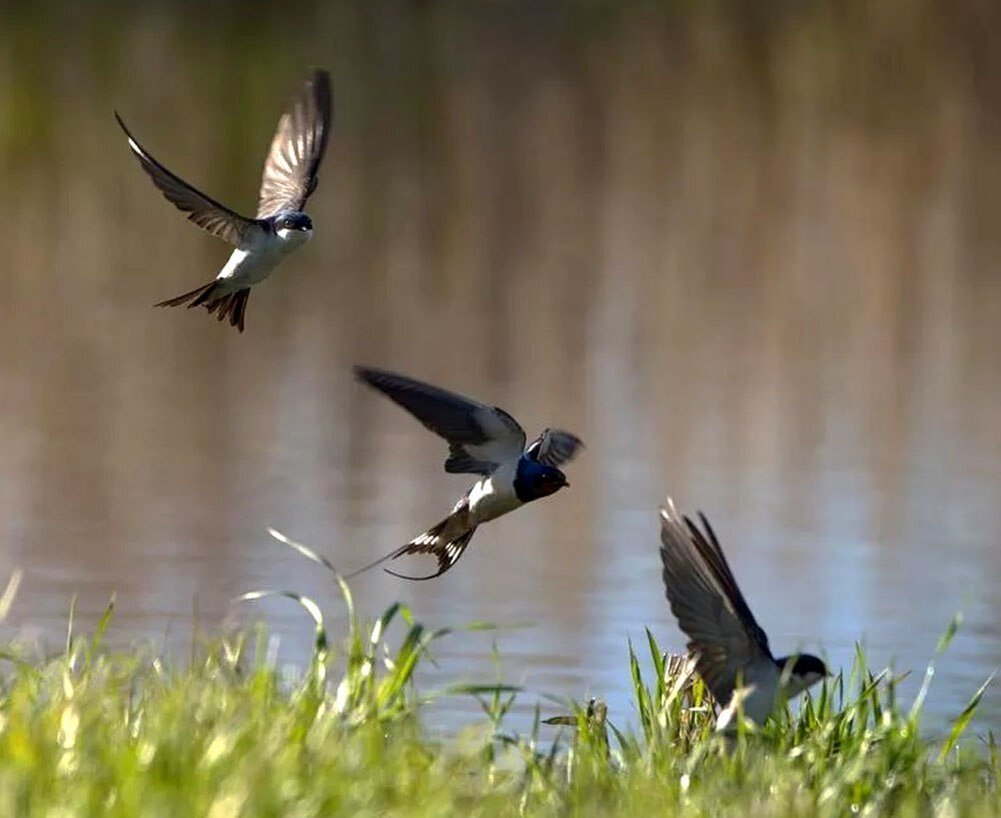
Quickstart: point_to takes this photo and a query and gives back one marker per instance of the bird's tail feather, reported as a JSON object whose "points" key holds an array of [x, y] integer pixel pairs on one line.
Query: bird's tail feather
{"points": [[229, 305], [447, 551]]}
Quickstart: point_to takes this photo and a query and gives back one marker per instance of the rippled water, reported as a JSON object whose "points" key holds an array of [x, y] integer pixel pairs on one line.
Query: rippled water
{"points": [[753, 260]]}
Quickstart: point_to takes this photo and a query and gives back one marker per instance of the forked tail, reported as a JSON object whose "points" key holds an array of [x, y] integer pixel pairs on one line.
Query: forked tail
{"points": [[232, 305], [447, 551]]}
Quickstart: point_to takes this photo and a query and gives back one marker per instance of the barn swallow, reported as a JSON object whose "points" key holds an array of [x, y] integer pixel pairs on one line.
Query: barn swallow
{"points": [[483, 440]]}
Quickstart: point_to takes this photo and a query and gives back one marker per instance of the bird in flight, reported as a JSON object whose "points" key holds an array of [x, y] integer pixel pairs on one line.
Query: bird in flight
{"points": [[730, 648], [280, 226], [483, 440]]}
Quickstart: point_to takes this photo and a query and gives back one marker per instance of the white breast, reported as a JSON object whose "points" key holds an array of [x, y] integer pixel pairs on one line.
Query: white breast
{"points": [[259, 255], [493, 496]]}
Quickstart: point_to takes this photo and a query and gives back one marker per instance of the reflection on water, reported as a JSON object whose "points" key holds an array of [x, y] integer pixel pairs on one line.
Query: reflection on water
{"points": [[751, 259]]}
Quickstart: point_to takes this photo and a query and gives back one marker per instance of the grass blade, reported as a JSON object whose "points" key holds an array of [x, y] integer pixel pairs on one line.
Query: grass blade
{"points": [[307, 604], [306, 551], [10, 593], [963, 719]]}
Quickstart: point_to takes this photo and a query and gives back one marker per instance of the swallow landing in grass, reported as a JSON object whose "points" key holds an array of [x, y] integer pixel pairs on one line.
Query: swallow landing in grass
{"points": [[482, 440], [280, 225], [730, 648]]}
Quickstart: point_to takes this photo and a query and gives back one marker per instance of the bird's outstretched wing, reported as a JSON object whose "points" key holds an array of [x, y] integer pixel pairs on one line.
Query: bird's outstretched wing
{"points": [[202, 210], [297, 148], [709, 606], [480, 437], [554, 447]]}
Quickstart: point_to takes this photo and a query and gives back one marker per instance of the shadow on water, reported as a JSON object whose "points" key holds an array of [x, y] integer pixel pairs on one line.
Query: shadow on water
{"points": [[751, 256]]}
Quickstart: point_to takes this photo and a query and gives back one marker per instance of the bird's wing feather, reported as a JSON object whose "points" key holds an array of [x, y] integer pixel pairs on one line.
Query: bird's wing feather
{"points": [[297, 148], [711, 551], [480, 437], [202, 210], [554, 447], [708, 604]]}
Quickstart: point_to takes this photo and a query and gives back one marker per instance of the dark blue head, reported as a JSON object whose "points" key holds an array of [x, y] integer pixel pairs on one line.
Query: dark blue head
{"points": [[534, 480], [294, 221], [802, 671]]}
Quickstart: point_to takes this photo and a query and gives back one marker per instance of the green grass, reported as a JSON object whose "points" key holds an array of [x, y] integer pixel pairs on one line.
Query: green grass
{"points": [[99, 732]]}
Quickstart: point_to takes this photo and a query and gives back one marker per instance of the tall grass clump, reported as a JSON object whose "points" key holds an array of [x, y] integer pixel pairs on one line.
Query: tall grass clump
{"points": [[96, 731]]}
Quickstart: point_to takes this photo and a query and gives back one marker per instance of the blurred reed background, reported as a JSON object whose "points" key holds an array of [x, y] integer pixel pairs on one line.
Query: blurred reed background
{"points": [[749, 251]]}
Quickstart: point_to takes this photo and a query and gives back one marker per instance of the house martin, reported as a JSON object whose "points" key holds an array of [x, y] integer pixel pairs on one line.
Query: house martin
{"points": [[483, 440], [730, 648], [280, 226]]}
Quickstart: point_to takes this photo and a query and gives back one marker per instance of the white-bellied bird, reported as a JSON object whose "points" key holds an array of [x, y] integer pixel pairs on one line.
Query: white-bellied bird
{"points": [[280, 226], [483, 440], [730, 648]]}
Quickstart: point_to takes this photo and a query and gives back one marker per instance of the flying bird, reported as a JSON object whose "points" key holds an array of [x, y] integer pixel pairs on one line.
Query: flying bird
{"points": [[730, 648], [280, 226], [483, 440]]}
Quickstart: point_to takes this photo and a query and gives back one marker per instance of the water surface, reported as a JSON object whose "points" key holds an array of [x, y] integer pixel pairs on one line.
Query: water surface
{"points": [[751, 258]]}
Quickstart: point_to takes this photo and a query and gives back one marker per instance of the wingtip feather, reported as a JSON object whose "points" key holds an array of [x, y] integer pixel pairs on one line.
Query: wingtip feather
{"points": [[134, 146], [668, 511], [373, 376], [366, 374], [321, 79]]}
